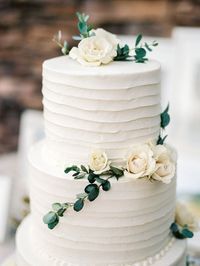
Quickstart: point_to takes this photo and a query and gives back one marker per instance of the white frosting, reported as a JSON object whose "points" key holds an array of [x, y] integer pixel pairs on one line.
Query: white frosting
{"points": [[111, 107], [173, 254], [126, 225]]}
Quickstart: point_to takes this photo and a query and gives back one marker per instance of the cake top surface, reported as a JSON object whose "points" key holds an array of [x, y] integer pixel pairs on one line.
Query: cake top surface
{"points": [[68, 66]]}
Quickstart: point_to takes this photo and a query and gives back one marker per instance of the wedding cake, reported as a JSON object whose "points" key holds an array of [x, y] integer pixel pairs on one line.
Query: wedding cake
{"points": [[104, 164]]}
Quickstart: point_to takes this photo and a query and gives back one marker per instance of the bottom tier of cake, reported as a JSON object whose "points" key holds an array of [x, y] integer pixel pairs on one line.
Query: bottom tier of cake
{"points": [[173, 255]]}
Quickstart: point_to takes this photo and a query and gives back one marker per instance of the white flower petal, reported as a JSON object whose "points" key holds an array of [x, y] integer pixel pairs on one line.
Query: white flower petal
{"points": [[74, 53]]}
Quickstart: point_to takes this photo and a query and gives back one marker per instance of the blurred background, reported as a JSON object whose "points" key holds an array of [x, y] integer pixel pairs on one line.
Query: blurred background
{"points": [[26, 31]]}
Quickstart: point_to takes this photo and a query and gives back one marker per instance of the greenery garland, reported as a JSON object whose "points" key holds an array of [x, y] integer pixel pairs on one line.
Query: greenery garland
{"points": [[91, 191]]}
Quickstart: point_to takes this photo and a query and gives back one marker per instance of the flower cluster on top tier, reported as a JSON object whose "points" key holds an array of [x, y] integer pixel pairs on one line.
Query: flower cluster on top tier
{"points": [[98, 46]]}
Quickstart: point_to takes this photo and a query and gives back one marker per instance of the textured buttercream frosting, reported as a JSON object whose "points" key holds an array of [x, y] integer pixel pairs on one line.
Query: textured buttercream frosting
{"points": [[125, 225], [111, 107], [174, 253]]}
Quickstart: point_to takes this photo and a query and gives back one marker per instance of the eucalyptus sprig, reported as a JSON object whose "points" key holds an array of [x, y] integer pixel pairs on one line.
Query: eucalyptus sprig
{"points": [[83, 27], [91, 191], [181, 232], [164, 122], [62, 44], [140, 51]]}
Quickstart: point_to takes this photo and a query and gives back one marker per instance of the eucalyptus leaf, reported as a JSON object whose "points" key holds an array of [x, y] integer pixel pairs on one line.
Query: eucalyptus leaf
{"points": [[61, 212], [92, 177], [106, 185], [78, 205], [116, 171], [50, 217], [161, 140], [140, 52], [77, 38], [148, 47], [80, 176], [52, 225], [72, 168], [56, 206], [93, 194], [138, 39], [84, 169], [65, 49], [155, 43], [122, 53], [174, 227], [82, 26], [187, 233], [165, 118], [76, 173], [90, 187]]}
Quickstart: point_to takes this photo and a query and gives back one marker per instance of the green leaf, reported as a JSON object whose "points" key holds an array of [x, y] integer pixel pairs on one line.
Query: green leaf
{"points": [[125, 49], [78, 205], [116, 171], [184, 233], [165, 118], [119, 50], [148, 47], [187, 233], [106, 186], [61, 212], [174, 227], [76, 173], [56, 206], [77, 38], [93, 191], [161, 140], [138, 39], [52, 225], [122, 53], [82, 17], [108, 172], [65, 49], [92, 177], [80, 176], [90, 187], [72, 168], [155, 43], [50, 217], [84, 169], [140, 52], [89, 28], [82, 26]]}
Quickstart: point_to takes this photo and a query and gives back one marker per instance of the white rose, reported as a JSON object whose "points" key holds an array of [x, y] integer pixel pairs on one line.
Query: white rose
{"points": [[185, 217], [95, 50], [110, 37], [140, 162], [165, 164], [98, 162]]}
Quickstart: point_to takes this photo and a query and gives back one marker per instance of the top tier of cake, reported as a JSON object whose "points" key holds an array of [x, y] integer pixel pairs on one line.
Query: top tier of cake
{"points": [[111, 107]]}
